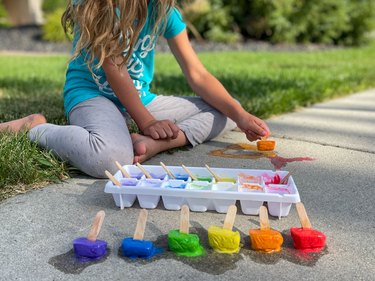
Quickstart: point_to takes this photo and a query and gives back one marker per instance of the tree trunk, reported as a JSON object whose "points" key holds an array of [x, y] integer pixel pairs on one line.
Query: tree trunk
{"points": [[24, 12]]}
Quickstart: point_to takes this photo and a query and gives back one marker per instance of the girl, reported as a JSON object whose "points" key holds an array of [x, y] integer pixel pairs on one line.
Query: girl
{"points": [[108, 83]]}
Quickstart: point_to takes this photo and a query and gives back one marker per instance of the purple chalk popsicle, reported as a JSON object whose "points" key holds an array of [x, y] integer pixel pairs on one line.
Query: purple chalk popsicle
{"points": [[91, 249]]}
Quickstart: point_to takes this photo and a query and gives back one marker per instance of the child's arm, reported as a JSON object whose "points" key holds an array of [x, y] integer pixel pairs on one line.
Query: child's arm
{"points": [[123, 86], [212, 91]]}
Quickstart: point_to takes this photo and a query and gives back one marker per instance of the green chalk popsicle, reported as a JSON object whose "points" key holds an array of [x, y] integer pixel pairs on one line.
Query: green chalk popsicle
{"points": [[183, 243]]}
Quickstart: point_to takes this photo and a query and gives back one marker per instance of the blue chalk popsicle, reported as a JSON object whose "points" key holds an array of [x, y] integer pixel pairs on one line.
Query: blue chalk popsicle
{"points": [[136, 247], [91, 249]]}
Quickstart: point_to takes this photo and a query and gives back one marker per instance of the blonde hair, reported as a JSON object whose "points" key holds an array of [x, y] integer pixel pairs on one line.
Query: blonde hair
{"points": [[108, 28]]}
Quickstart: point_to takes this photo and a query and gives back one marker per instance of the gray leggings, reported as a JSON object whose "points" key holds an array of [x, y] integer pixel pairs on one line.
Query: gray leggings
{"points": [[98, 133]]}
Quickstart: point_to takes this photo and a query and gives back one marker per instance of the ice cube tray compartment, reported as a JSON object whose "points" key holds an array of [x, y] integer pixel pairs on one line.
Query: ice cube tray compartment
{"points": [[246, 185]]}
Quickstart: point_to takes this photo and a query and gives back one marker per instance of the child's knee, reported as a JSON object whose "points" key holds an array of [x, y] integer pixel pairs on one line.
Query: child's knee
{"points": [[106, 160]]}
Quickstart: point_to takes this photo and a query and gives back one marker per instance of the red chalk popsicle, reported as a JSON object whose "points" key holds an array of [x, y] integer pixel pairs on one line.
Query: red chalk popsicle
{"points": [[91, 249], [306, 238]]}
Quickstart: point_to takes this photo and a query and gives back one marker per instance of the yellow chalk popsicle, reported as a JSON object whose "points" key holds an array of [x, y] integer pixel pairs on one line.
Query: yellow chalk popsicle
{"points": [[224, 240]]}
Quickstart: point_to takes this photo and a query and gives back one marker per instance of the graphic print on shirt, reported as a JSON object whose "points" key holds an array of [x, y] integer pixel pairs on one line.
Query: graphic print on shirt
{"points": [[135, 66]]}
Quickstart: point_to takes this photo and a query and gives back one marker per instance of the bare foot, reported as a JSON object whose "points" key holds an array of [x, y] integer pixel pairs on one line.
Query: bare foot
{"points": [[143, 147], [23, 124]]}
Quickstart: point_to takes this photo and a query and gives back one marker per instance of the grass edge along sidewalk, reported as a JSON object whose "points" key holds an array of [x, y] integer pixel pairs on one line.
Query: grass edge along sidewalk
{"points": [[266, 84]]}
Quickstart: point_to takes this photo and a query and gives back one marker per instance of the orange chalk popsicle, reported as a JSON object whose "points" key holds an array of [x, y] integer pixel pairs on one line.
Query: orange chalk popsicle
{"points": [[306, 238], [265, 239], [266, 145]]}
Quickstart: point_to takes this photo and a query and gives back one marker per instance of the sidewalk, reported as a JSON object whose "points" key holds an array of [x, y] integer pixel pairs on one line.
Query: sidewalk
{"points": [[337, 188]]}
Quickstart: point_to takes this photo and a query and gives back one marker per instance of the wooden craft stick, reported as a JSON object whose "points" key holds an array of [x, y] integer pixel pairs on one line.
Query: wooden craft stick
{"points": [[194, 178], [167, 170], [285, 179], [184, 219], [303, 218], [144, 171], [263, 218], [123, 171], [112, 178], [141, 225], [96, 226], [230, 217], [217, 178]]}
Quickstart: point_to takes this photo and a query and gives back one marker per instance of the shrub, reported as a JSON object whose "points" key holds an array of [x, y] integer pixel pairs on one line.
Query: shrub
{"points": [[49, 6], [210, 19], [52, 28], [325, 21]]}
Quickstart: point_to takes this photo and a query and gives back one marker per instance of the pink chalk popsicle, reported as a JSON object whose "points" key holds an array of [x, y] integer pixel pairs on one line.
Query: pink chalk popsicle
{"points": [[91, 249], [136, 247], [306, 238]]}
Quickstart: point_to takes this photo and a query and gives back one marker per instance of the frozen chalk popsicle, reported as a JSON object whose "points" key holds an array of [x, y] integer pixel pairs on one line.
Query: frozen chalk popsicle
{"points": [[224, 240], [193, 177], [183, 243], [144, 171], [265, 239], [170, 174], [123, 171], [91, 249], [216, 177], [136, 247], [306, 238], [266, 145]]}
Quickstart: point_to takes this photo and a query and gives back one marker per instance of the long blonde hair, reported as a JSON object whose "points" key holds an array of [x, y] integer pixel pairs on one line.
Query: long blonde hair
{"points": [[107, 28]]}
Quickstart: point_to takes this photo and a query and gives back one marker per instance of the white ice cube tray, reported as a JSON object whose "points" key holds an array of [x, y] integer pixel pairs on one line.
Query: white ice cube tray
{"points": [[248, 186]]}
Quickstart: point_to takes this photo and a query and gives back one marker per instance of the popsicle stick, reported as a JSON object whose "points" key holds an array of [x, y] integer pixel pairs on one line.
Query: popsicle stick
{"points": [[112, 178], [285, 179], [96, 226], [184, 219], [217, 178], [141, 225], [230, 217], [194, 178], [303, 218], [263, 218], [167, 170], [144, 171], [123, 171]]}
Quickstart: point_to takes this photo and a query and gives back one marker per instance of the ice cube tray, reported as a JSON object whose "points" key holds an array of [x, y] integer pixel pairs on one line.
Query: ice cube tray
{"points": [[249, 186]]}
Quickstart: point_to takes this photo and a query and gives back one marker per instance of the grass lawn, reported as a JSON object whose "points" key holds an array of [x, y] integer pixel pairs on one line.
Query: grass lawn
{"points": [[266, 83]]}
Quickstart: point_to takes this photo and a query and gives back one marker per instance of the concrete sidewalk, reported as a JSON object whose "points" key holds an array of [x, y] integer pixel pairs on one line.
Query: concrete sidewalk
{"points": [[337, 188]]}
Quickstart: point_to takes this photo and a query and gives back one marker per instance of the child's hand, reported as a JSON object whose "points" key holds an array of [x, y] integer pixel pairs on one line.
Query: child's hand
{"points": [[161, 129], [253, 127]]}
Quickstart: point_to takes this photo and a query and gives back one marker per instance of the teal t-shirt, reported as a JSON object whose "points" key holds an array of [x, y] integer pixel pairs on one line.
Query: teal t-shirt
{"points": [[80, 85]]}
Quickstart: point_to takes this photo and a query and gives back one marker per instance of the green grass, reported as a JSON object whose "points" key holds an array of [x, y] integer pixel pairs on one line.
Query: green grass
{"points": [[266, 84]]}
